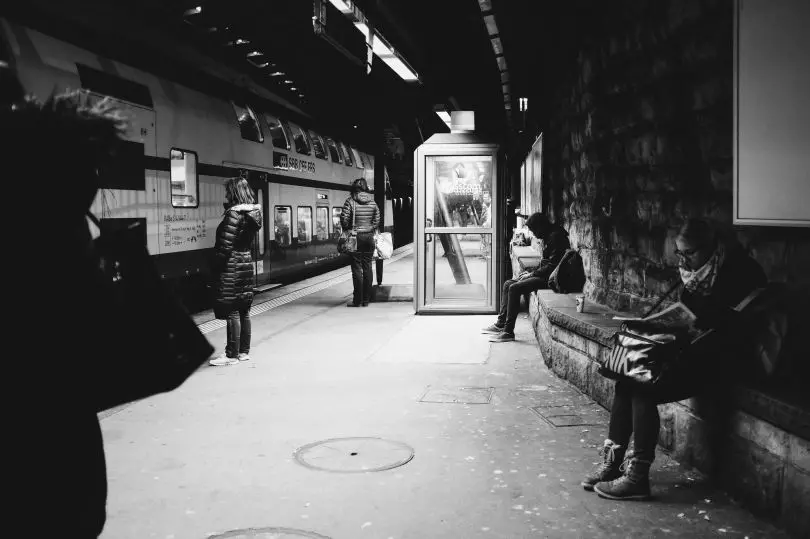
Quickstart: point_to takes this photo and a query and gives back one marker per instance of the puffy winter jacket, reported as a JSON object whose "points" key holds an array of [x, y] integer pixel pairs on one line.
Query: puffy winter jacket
{"points": [[232, 258], [367, 213]]}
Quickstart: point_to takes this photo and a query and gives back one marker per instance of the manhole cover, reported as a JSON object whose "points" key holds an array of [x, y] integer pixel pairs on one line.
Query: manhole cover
{"points": [[461, 395], [354, 455], [267, 533], [569, 416]]}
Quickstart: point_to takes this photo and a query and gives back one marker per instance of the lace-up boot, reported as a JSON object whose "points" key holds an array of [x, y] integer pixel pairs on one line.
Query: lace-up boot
{"points": [[633, 485], [609, 469]]}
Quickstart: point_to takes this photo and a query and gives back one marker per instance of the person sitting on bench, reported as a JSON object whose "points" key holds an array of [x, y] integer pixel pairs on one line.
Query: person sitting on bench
{"points": [[555, 243]]}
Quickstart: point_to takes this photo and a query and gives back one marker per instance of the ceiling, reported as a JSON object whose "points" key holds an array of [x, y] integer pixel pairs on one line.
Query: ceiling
{"points": [[445, 41]]}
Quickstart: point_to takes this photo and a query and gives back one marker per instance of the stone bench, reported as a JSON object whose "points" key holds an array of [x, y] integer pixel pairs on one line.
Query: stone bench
{"points": [[765, 462]]}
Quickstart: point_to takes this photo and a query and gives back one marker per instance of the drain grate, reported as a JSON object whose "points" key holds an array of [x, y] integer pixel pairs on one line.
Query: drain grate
{"points": [[570, 416], [354, 455], [267, 533], [461, 395]]}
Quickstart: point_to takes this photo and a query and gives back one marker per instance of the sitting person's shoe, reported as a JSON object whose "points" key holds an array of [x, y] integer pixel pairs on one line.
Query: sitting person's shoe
{"points": [[610, 467], [633, 485], [503, 336], [494, 329], [223, 360], [244, 356], [352, 305]]}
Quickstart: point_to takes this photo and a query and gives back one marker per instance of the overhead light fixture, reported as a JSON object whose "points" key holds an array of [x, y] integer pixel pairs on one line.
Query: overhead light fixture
{"points": [[277, 74], [344, 6], [192, 11], [239, 41], [293, 88], [287, 81], [254, 53], [523, 103]]}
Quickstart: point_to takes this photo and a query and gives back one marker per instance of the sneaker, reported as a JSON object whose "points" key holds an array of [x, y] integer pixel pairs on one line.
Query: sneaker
{"points": [[503, 336], [223, 360], [244, 357], [494, 329]]}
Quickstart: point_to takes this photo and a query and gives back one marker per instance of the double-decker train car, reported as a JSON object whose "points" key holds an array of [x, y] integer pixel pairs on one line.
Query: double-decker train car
{"points": [[184, 142]]}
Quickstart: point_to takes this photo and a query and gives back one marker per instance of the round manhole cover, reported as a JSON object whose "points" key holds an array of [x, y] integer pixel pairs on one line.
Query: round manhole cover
{"points": [[267, 533], [354, 455]]}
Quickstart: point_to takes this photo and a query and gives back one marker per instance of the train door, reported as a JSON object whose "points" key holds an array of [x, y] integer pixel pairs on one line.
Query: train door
{"points": [[261, 252]]}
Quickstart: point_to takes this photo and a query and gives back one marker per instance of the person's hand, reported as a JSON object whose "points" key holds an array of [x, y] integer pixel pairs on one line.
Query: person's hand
{"points": [[524, 275]]}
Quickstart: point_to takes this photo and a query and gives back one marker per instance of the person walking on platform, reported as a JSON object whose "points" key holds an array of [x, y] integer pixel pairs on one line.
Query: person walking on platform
{"points": [[555, 243], [715, 279], [361, 214], [233, 267]]}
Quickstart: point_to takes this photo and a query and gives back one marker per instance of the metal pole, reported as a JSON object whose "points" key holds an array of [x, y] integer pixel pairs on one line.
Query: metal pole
{"points": [[451, 245]]}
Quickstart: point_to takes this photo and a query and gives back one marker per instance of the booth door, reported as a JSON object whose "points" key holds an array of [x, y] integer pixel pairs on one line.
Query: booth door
{"points": [[458, 272]]}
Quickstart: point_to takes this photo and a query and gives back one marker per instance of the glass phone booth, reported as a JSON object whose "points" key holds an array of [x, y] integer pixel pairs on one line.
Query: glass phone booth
{"points": [[458, 227]]}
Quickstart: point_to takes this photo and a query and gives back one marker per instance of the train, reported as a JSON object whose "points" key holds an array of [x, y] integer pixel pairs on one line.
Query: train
{"points": [[183, 143]]}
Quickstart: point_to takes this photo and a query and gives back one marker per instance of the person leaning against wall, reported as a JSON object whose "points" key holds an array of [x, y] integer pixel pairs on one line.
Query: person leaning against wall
{"points": [[555, 243], [715, 279], [361, 214]]}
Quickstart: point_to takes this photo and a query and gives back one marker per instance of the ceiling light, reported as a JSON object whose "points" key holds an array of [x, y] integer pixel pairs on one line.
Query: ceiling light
{"points": [[277, 74], [241, 41], [255, 53], [192, 11], [293, 88], [286, 81], [343, 6]]}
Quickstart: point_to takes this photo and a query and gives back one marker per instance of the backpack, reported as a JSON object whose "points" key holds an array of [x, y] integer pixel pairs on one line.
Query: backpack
{"points": [[569, 275]]}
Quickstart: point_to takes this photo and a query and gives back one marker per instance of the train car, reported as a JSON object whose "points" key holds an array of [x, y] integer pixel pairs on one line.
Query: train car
{"points": [[183, 143]]}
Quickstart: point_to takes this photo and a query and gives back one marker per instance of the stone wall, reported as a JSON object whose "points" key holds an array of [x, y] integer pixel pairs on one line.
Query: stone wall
{"points": [[641, 140]]}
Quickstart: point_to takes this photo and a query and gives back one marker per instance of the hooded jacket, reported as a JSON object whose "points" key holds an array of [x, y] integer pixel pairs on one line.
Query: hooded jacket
{"points": [[233, 259], [555, 244], [361, 209]]}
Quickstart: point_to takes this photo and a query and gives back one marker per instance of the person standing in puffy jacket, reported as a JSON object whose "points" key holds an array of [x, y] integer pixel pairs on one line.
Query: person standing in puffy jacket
{"points": [[361, 214], [233, 267]]}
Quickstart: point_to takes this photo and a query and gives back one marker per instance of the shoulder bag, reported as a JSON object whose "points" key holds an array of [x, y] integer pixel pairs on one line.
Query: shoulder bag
{"points": [[146, 341], [347, 242]]}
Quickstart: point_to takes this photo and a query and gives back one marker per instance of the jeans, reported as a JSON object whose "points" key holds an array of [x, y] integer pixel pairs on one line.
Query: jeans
{"points": [[510, 299], [238, 330], [362, 276]]}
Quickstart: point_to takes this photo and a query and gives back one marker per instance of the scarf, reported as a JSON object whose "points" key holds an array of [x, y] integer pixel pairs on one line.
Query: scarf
{"points": [[701, 280]]}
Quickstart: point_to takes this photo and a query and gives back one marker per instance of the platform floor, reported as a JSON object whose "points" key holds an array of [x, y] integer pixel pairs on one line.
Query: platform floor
{"points": [[218, 454]]}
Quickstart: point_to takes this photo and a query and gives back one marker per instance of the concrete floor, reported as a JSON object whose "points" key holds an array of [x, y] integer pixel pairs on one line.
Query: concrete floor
{"points": [[217, 454]]}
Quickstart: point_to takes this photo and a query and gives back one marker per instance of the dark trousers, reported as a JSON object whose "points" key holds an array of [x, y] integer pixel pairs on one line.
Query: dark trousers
{"points": [[238, 329], [707, 371], [362, 277], [510, 299]]}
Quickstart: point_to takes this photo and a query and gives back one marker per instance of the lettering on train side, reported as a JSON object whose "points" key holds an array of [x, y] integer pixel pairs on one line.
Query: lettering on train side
{"points": [[288, 162], [180, 233]]}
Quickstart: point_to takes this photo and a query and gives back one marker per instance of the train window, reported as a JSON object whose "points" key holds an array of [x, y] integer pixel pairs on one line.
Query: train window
{"points": [[184, 179], [304, 224], [277, 134], [347, 155], [317, 144], [358, 159], [248, 123], [333, 151], [322, 223], [114, 86], [337, 228], [282, 222], [300, 139]]}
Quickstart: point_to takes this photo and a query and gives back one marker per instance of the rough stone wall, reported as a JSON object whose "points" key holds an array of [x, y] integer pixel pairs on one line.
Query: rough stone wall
{"points": [[641, 140]]}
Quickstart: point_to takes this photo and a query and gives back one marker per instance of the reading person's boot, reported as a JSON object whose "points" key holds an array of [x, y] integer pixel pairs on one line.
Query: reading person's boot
{"points": [[633, 485], [609, 469]]}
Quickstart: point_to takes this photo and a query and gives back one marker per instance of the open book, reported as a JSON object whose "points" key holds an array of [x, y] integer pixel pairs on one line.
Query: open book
{"points": [[679, 317]]}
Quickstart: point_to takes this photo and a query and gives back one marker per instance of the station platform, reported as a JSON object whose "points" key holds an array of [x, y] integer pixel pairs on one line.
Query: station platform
{"points": [[376, 423]]}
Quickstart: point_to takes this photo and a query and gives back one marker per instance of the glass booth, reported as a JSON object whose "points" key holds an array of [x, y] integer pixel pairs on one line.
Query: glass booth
{"points": [[458, 227]]}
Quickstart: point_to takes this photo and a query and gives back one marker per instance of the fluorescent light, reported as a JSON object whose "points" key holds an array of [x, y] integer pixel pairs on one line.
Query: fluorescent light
{"points": [[192, 11], [293, 88], [277, 74], [444, 115], [363, 28], [255, 53], [400, 68], [342, 6], [241, 41]]}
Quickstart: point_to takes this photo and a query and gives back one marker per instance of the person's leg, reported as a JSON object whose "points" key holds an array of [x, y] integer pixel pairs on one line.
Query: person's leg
{"points": [[519, 288], [619, 430], [368, 278], [378, 270], [634, 484], [357, 279], [232, 330], [497, 327], [244, 336]]}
